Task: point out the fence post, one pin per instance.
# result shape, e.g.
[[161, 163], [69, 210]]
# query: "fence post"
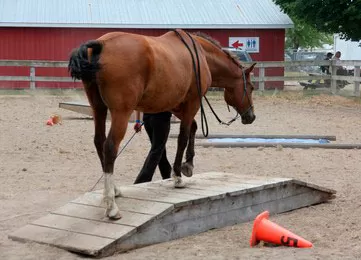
[[356, 73], [261, 78], [333, 81], [32, 77]]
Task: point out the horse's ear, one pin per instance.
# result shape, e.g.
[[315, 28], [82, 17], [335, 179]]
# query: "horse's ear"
[[249, 69]]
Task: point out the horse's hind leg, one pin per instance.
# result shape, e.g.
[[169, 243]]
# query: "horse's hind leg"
[[187, 166], [99, 116], [100, 111], [111, 145]]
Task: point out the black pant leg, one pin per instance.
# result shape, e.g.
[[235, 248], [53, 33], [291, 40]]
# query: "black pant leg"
[[143, 175], [160, 136], [149, 129], [164, 124], [164, 166], [159, 128]]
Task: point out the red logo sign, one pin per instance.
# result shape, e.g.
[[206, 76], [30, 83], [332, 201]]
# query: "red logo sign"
[[237, 44]]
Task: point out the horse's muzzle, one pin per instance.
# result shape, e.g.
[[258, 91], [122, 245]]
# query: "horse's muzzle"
[[248, 118]]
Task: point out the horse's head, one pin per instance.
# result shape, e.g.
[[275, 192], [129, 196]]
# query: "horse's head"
[[228, 73], [240, 96]]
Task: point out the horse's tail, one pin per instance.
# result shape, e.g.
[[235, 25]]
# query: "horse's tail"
[[84, 61]]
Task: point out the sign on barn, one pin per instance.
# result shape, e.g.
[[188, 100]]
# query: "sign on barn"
[[249, 44]]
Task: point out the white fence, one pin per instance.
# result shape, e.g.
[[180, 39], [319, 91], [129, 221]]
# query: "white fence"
[[261, 78]]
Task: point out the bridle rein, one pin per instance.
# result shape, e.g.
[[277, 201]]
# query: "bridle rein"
[[196, 68]]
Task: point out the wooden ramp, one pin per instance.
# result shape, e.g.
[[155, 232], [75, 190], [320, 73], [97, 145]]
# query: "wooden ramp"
[[84, 108], [156, 212]]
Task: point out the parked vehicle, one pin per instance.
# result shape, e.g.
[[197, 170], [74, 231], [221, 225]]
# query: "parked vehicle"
[[350, 50], [287, 57], [242, 55]]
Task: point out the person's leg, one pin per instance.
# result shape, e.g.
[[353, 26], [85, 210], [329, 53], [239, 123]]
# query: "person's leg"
[[143, 175], [160, 140], [159, 128], [164, 166], [149, 129]]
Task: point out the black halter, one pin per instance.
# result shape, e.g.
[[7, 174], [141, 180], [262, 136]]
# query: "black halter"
[[196, 68]]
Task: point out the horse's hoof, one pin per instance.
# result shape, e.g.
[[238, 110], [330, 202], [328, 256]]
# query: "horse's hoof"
[[178, 182], [113, 215], [117, 192], [187, 169]]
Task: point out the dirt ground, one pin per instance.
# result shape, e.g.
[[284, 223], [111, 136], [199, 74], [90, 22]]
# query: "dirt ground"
[[43, 168]]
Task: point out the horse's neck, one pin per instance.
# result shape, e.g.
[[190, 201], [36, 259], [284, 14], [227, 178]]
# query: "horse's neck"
[[225, 74]]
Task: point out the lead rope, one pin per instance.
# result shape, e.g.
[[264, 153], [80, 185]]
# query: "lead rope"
[[130, 139]]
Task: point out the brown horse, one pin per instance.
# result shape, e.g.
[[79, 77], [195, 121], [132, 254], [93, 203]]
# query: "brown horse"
[[124, 72]]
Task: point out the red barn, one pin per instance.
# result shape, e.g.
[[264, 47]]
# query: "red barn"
[[50, 29]]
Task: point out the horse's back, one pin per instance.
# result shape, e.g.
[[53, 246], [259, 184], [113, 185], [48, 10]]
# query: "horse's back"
[[174, 77], [147, 68]]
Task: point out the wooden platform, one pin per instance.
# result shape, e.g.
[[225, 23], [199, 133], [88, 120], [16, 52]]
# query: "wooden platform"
[[156, 212], [84, 108]]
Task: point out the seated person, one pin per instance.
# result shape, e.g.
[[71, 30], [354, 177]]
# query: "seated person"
[[325, 68]]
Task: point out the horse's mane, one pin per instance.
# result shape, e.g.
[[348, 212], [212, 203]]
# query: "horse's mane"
[[216, 43]]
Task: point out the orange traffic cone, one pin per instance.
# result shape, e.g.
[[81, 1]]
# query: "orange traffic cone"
[[266, 230]]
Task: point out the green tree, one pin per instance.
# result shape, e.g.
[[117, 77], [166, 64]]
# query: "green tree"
[[305, 36], [329, 16]]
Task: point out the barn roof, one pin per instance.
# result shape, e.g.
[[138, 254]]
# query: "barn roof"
[[237, 14]]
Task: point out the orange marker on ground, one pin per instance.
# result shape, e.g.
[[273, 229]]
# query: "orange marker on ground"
[[266, 230]]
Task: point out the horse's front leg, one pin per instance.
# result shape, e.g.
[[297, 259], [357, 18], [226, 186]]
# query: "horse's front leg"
[[116, 134], [183, 138], [187, 166]]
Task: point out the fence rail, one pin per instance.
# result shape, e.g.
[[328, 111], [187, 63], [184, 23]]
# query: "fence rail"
[[261, 78], [333, 77]]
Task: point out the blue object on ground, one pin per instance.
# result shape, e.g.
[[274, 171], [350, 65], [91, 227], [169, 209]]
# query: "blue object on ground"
[[268, 140]]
